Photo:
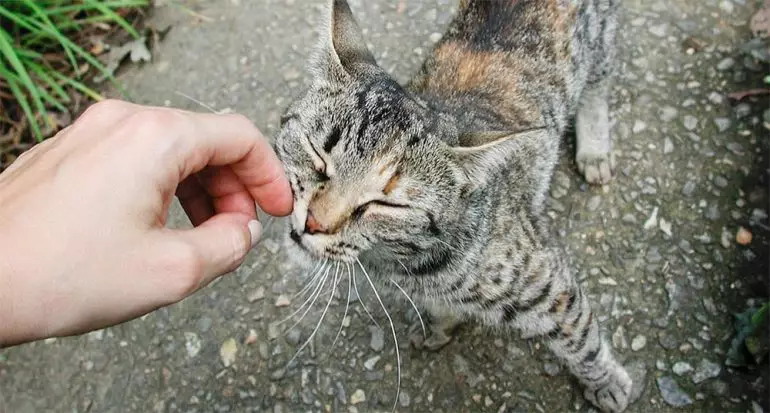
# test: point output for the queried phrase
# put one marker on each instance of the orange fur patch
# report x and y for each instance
(392, 183)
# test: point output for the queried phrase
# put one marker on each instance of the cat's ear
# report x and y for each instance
(343, 51)
(485, 155)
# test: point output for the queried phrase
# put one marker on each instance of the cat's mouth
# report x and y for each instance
(325, 247)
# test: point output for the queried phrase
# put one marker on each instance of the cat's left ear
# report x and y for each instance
(484, 156)
(344, 52)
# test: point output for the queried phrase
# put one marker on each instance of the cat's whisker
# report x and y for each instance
(313, 278)
(312, 282)
(422, 324)
(347, 304)
(315, 296)
(320, 320)
(192, 99)
(392, 329)
(360, 300)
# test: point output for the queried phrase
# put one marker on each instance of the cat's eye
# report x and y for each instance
(358, 212)
(319, 165)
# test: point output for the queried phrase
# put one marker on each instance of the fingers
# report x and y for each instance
(195, 200)
(218, 246)
(233, 140)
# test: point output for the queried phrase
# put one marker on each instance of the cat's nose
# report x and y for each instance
(311, 224)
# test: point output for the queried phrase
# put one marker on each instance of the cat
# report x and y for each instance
(438, 186)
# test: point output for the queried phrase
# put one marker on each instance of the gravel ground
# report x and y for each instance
(656, 249)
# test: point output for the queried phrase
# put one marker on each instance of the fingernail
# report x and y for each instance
(255, 229)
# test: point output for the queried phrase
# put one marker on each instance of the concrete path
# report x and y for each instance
(656, 249)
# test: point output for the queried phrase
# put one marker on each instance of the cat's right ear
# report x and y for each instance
(485, 155)
(343, 52)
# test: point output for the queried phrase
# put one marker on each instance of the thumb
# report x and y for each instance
(222, 242)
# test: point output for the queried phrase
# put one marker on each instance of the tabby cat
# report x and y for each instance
(439, 185)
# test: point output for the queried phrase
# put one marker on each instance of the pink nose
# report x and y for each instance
(312, 226)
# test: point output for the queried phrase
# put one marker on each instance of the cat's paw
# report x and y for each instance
(597, 168)
(614, 395)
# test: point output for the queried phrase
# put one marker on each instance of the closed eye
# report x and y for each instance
(358, 212)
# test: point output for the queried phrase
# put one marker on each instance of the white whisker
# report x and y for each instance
(345, 314)
(315, 297)
(360, 300)
(312, 277)
(313, 281)
(413, 306)
(197, 101)
(320, 320)
(392, 329)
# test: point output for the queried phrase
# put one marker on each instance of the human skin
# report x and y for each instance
(83, 241)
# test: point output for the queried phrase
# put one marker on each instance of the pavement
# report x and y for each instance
(656, 249)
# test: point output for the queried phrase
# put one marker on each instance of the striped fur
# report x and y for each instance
(440, 184)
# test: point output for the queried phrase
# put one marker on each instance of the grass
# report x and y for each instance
(45, 57)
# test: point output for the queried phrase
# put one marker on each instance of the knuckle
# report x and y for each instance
(156, 119)
(103, 107)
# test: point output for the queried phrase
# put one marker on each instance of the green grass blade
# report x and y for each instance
(74, 8)
(44, 21)
(79, 86)
(7, 51)
(45, 77)
(106, 11)
(21, 99)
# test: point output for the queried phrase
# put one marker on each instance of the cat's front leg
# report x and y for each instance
(594, 156)
(576, 340)
(435, 330)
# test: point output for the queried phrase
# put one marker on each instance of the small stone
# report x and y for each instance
(404, 399)
(743, 236)
(488, 401)
(726, 6)
(716, 98)
(671, 393)
(251, 338)
(435, 37)
(652, 221)
(638, 343)
(667, 341)
(742, 110)
(273, 331)
(681, 368)
(756, 408)
(476, 398)
(722, 124)
(629, 218)
(551, 369)
(358, 396)
(619, 338)
(706, 370)
(709, 305)
(639, 126)
(668, 113)
(228, 351)
(608, 281)
(668, 145)
(282, 301)
(720, 181)
(688, 188)
(192, 344)
(685, 348)
(256, 295)
(665, 226)
(377, 341)
(293, 336)
(371, 363)
(659, 30)
(660, 365)
(690, 122)
(726, 238)
(725, 64)
(593, 202)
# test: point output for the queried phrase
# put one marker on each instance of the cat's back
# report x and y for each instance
(504, 58)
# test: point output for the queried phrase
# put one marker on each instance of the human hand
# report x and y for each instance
(83, 243)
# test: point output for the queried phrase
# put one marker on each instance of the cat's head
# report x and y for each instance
(368, 163)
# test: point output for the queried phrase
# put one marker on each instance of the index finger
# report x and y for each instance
(201, 139)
